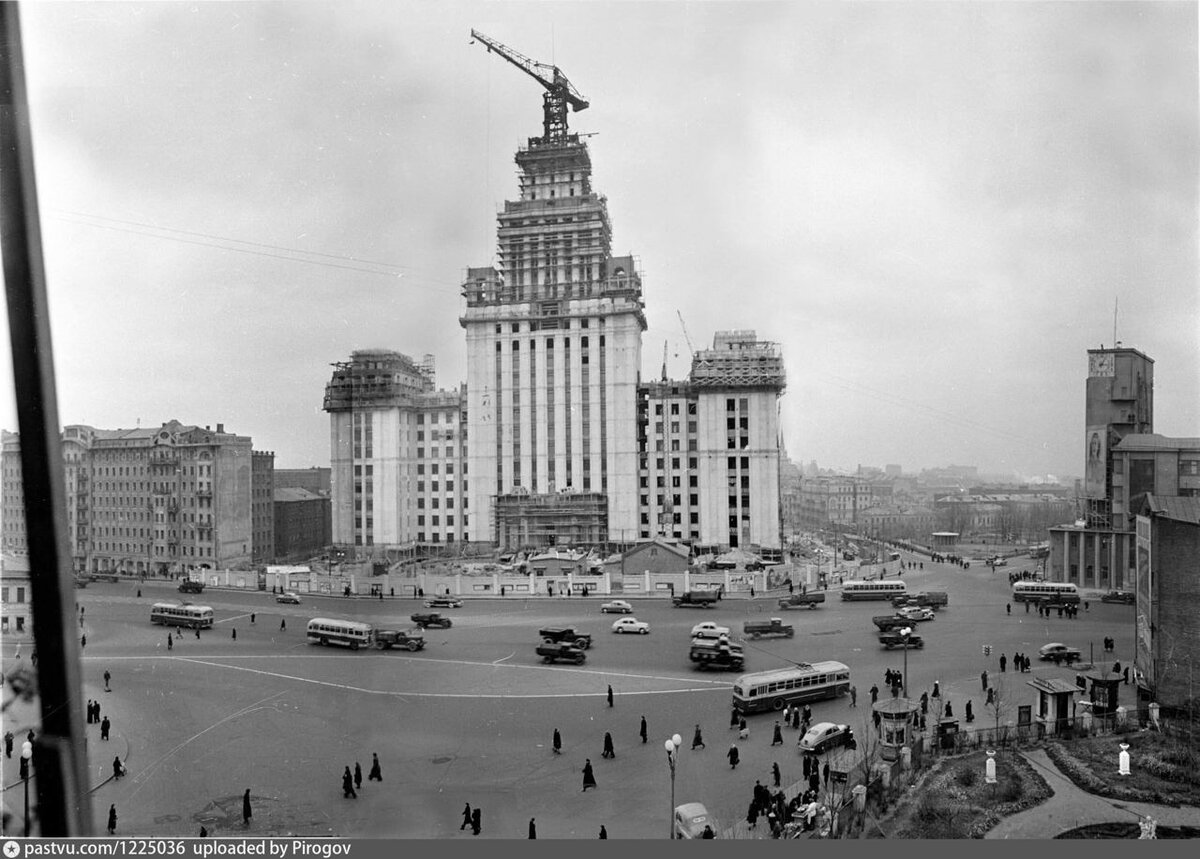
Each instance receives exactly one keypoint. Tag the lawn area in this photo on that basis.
(1163, 769)
(952, 800)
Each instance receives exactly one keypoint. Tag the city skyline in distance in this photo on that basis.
(931, 209)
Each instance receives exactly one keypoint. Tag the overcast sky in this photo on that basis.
(932, 207)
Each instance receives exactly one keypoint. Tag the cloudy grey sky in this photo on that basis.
(931, 207)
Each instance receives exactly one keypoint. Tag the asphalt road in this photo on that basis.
(470, 718)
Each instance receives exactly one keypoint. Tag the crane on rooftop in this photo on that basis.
(559, 91)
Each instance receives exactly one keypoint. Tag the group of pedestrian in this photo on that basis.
(1110, 644)
(473, 818)
(352, 782)
(93, 718)
(1070, 611)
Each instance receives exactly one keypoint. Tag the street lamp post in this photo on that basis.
(26, 761)
(672, 746)
(905, 633)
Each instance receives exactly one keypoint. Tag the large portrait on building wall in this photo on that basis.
(1094, 468)
(1143, 637)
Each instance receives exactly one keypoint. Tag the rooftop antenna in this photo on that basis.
(1116, 301)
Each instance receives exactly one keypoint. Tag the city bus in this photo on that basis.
(346, 633)
(880, 590)
(172, 614)
(1063, 592)
(776, 689)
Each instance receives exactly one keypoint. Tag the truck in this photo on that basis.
(892, 638)
(427, 619)
(568, 634)
(191, 586)
(561, 651)
(775, 627)
(809, 601)
(891, 621)
(697, 599)
(411, 640)
(721, 655)
(925, 599)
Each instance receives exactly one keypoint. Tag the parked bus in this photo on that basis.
(776, 689)
(1063, 592)
(880, 590)
(347, 633)
(173, 614)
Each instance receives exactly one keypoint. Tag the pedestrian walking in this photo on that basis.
(104, 728)
(733, 718)
(697, 739)
(970, 714)
(949, 711)
(283, 624)
(1026, 608)
(853, 696)
(1125, 672)
(874, 693)
(589, 777)
(107, 680)
(170, 642)
(991, 696)
(556, 745)
(118, 768)
(937, 692)
(197, 631)
(752, 814)
(814, 780)
(357, 776)
(806, 766)
(8, 743)
(796, 718)
(1086, 605)
(203, 831)
(733, 756)
(476, 821)
(642, 732)
(466, 821)
(376, 773)
(743, 730)
(1008, 607)
(82, 641)
(983, 684)
(610, 695)
(603, 833)
(608, 746)
(234, 633)
(252, 617)
(90, 712)
(777, 737)
(806, 715)
(96, 712)
(825, 774)
(1004, 663)
(139, 593)
(532, 829)
(875, 718)
(247, 811)
(348, 785)
(775, 774)
(787, 715)
(112, 819)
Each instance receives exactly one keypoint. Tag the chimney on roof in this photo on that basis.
(220, 427)
(208, 428)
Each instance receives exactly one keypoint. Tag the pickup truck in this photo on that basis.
(431, 618)
(892, 638)
(188, 586)
(561, 652)
(809, 601)
(709, 653)
(925, 599)
(411, 640)
(891, 621)
(560, 634)
(697, 599)
(773, 627)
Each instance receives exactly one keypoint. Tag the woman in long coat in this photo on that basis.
(608, 746)
(733, 756)
(589, 778)
(247, 813)
(112, 819)
(557, 742)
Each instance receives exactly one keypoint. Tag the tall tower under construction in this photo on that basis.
(554, 352)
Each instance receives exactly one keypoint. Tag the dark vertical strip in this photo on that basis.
(59, 765)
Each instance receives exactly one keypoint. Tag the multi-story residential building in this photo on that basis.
(313, 479)
(835, 501)
(151, 501)
(303, 526)
(1119, 401)
(398, 463)
(16, 599)
(262, 506)
(554, 352)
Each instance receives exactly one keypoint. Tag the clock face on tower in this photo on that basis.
(1100, 365)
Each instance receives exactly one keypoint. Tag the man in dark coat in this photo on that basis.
(775, 773)
(247, 812)
(949, 711)
(733, 756)
(348, 785)
(104, 728)
(733, 718)
(777, 737)
(532, 829)
(814, 780)
(969, 713)
(825, 774)
(107, 680)
(466, 817)
(603, 832)
(357, 775)
(697, 739)
(874, 693)
(90, 711)
(589, 778)
(118, 768)
(642, 732)
(8, 743)
(796, 719)
(476, 821)
(112, 819)
(610, 695)
(937, 689)
(170, 642)
(376, 773)
(557, 742)
(608, 746)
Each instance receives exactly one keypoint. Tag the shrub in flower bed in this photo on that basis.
(1163, 769)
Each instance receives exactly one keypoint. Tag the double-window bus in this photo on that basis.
(776, 689)
(347, 633)
(881, 590)
(1063, 592)
(172, 614)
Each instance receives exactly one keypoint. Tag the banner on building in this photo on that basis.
(1094, 483)
(1143, 632)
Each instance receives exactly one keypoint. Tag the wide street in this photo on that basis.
(470, 718)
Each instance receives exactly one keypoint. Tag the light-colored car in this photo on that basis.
(443, 602)
(691, 818)
(616, 607)
(708, 629)
(288, 597)
(1058, 652)
(631, 624)
(915, 612)
(824, 735)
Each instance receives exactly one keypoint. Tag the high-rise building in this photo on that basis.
(1119, 401)
(554, 353)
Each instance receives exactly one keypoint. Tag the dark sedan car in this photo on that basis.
(1122, 597)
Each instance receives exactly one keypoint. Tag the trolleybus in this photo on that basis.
(880, 590)
(780, 687)
(347, 633)
(1063, 592)
(174, 614)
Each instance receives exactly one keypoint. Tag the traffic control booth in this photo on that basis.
(898, 718)
(1054, 707)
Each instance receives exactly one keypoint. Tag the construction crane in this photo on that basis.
(685, 333)
(559, 91)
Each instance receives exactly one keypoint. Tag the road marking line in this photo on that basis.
(506, 658)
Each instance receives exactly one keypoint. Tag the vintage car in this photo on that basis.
(411, 639)
(1058, 653)
(189, 586)
(556, 634)
(708, 629)
(616, 607)
(823, 736)
(809, 601)
(631, 624)
(915, 612)
(894, 638)
(1123, 597)
(696, 599)
(561, 651)
(443, 602)
(891, 621)
(288, 597)
(721, 654)
(691, 819)
(426, 620)
(774, 627)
